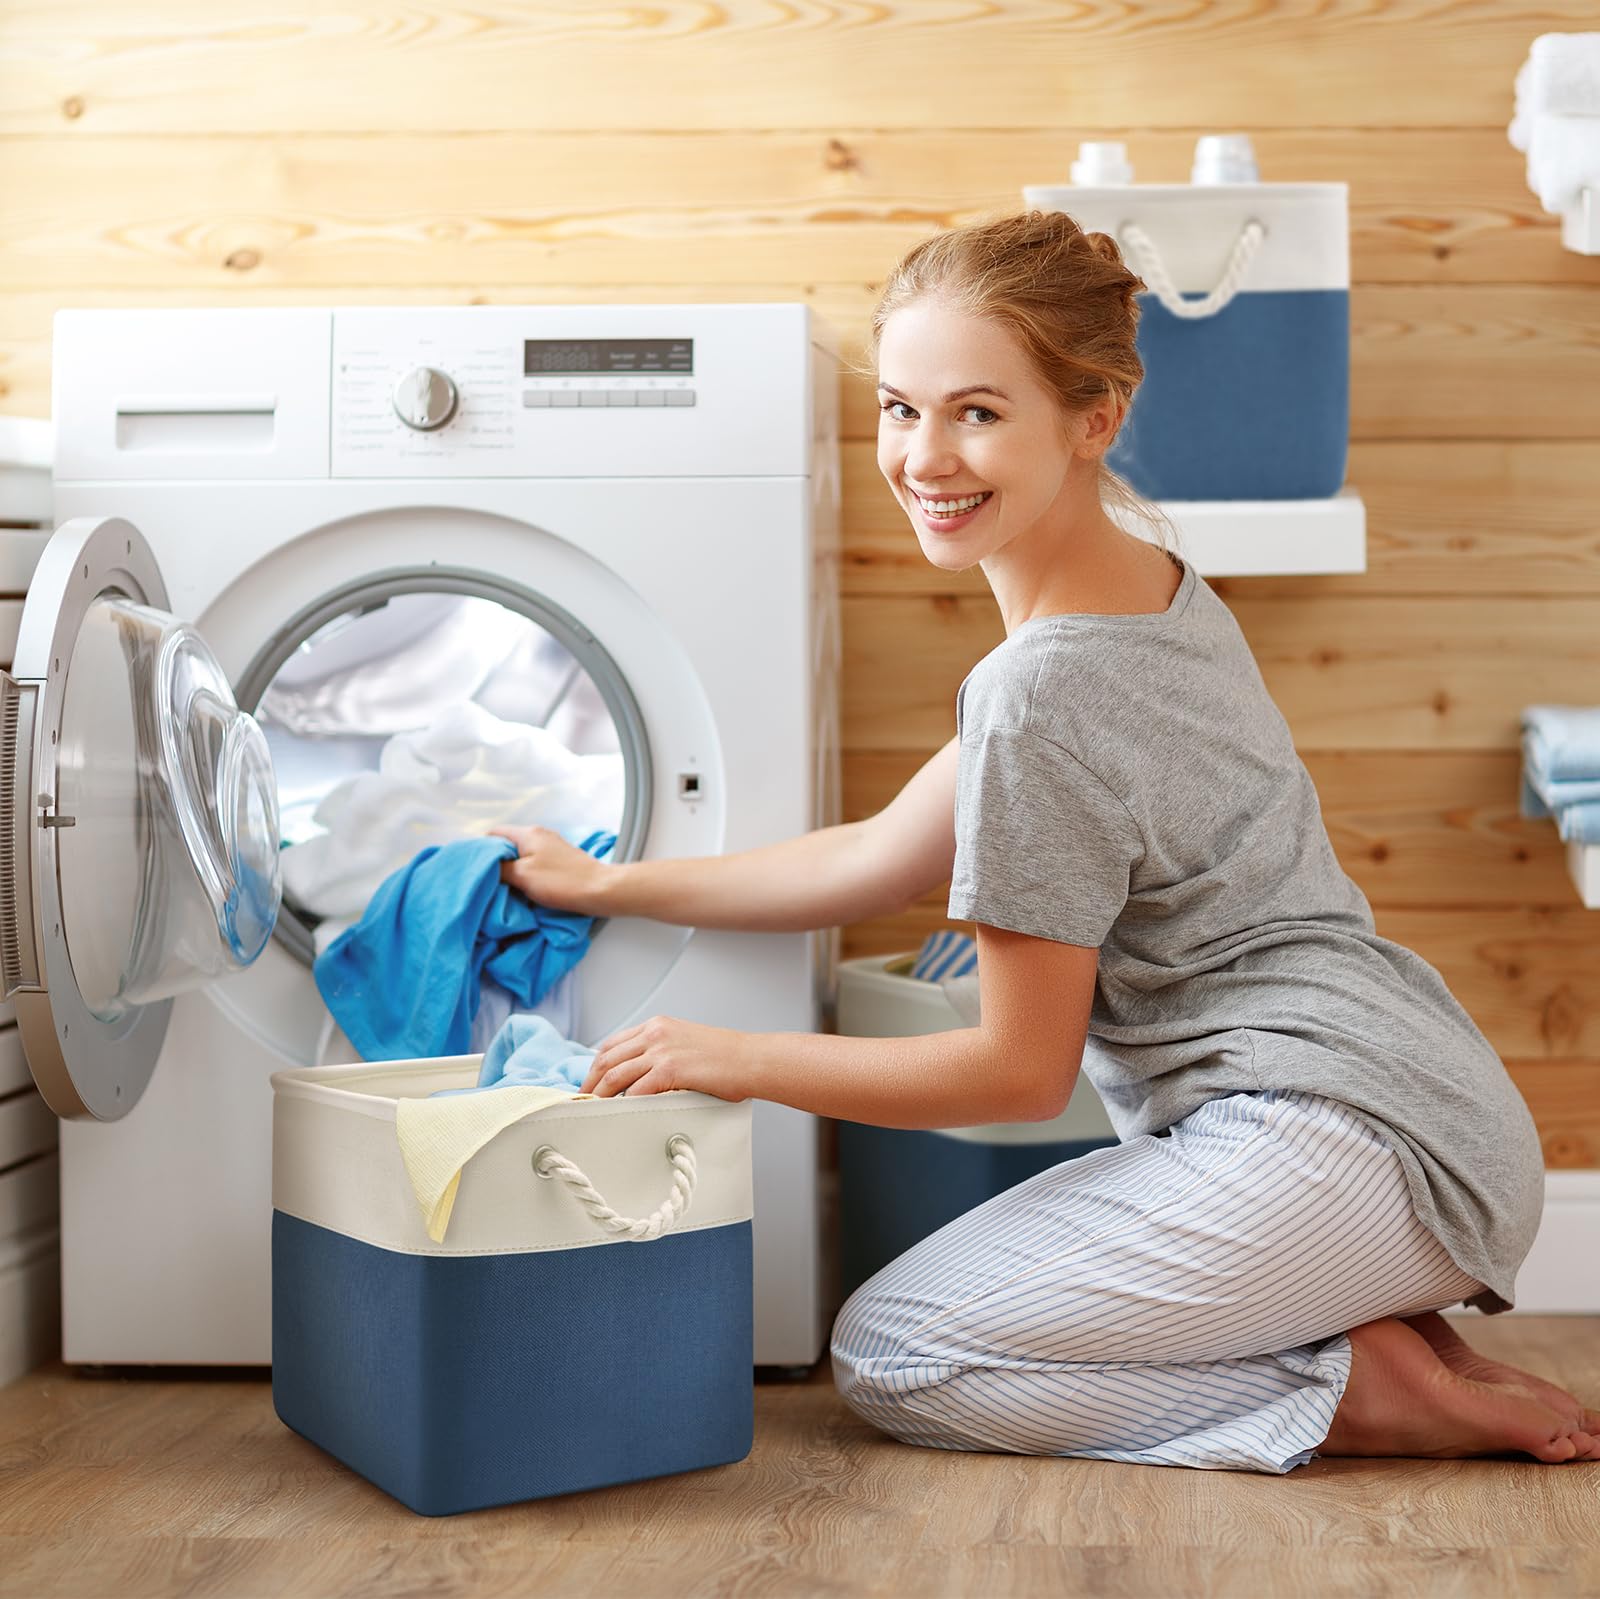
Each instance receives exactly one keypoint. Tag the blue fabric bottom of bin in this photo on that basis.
(897, 1185)
(458, 1382)
(1251, 404)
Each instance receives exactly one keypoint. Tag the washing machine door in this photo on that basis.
(138, 820)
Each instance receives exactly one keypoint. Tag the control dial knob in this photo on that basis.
(425, 398)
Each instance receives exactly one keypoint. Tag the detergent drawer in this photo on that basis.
(532, 1349)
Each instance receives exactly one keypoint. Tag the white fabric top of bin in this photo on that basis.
(336, 1161)
(1195, 227)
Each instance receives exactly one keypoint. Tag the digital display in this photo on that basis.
(571, 357)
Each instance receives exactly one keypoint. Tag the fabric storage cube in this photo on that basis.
(1244, 332)
(898, 1185)
(532, 1351)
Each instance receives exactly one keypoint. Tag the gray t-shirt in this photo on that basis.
(1127, 783)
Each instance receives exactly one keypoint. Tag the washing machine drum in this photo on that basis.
(140, 809)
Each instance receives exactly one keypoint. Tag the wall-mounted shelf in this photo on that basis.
(1265, 538)
(1583, 861)
(1580, 224)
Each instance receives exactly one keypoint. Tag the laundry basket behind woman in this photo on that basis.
(1244, 331)
(897, 1185)
(532, 1351)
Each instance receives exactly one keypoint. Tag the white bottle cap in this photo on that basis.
(1101, 163)
(1224, 158)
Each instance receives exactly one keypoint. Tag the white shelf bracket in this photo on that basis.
(1580, 223)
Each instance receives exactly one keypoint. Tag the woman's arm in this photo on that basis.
(825, 878)
(1019, 1065)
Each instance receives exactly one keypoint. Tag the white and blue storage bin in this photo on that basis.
(531, 1352)
(897, 1185)
(1244, 332)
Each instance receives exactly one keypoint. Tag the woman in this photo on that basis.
(1320, 1150)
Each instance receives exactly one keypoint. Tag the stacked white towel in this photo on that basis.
(1557, 118)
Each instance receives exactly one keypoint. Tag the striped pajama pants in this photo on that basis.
(1178, 1300)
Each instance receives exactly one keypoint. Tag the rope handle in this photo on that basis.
(550, 1162)
(1155, 274)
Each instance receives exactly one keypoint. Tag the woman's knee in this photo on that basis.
(869, 1360)
(885, 1376)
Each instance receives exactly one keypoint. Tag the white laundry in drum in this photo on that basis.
(400, 665)
(394, 668)
(466, 773)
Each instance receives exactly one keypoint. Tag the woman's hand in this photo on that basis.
(552, 872)
(665, 1053)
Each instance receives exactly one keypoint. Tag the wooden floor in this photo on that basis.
(127, 1486)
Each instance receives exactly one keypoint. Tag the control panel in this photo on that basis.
(598, 374)
(400, 400)
(502, 391)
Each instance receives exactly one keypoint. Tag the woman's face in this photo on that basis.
(976, 449)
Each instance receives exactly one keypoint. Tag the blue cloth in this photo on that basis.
(945, 954)
(529, 1052)
(405, 980)
(1562, 742)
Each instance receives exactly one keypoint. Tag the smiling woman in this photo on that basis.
(1320, 1148)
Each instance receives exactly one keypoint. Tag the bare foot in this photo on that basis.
(1403, 1400)
(1465, 1361)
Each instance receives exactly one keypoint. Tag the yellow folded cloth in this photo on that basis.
(439, 1136)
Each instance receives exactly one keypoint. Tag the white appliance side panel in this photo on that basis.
(166, 1215)
(767, 982)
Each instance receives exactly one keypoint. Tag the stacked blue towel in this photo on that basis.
(1561, 768)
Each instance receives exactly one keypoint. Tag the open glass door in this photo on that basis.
(138, 820)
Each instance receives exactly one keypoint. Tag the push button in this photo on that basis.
(650, 397)
(621, 397)
(592, 396)
(680, 396)
(536, 396)
(563, 396)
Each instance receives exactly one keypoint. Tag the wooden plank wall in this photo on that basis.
(181, 152)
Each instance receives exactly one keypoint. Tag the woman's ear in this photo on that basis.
(1097, 429)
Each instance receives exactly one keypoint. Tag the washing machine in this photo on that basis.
(615, 524)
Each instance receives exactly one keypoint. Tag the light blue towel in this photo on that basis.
(945, 954)
(1542, 794)
(529, 1052)
(1575, 802)
(1562, 742)
(405, 980)
(1579, 824)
